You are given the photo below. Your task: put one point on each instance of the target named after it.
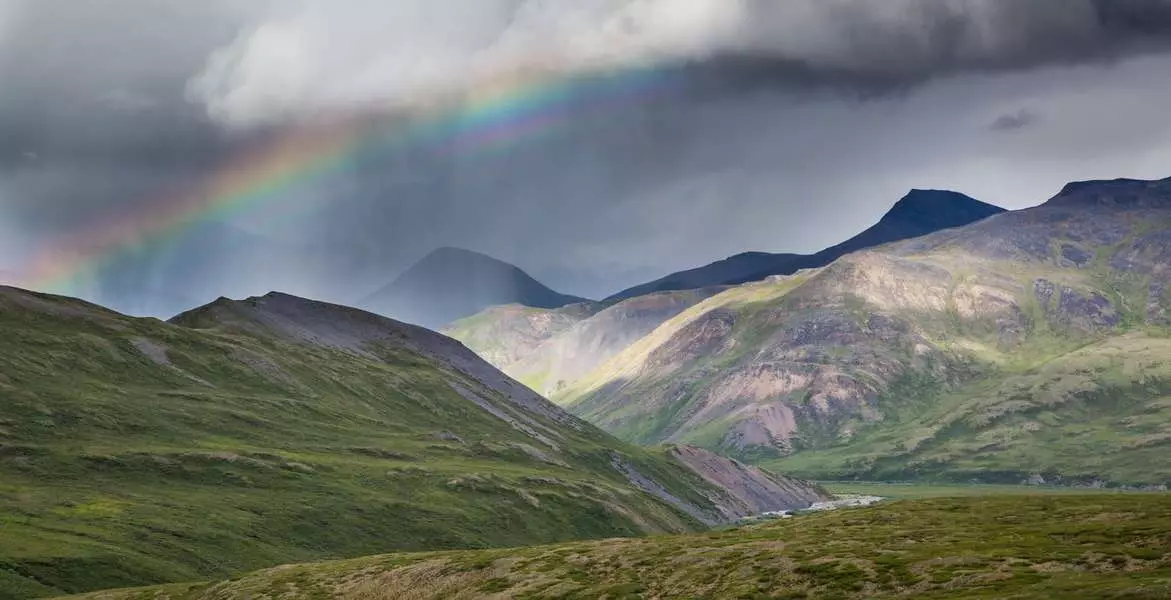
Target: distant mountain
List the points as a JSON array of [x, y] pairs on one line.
[[248, 433], [452, 283], [1031, 345], [920, 212]]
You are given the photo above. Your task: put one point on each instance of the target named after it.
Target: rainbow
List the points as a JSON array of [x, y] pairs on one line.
[[486, 121]]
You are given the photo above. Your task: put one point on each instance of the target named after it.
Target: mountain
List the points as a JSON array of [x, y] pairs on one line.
[[164, 275], [450, 284], [1026, 546], [1028, 345], [245, 434], [507, 334], [918, 213], [549, 349], [734, 269]]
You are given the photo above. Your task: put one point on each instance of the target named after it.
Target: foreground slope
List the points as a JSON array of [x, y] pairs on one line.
[[1031, 344], [276, 429], [918, 213], [452, 283], [1100, 546]]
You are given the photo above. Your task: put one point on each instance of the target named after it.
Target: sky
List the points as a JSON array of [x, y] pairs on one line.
[[692, 130]]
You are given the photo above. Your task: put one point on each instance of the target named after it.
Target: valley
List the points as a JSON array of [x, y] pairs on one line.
[[1036, 546]]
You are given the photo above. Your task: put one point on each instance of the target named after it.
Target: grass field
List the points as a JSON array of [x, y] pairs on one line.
[[1072, 546]]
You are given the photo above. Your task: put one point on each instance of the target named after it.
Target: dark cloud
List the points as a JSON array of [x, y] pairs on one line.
[[1014, 121], [326, 57]]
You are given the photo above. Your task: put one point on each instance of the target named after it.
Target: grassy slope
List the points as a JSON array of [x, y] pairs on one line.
[[1064, 398], [1035, 546], [249, 451], [642, 423], [1100, 412], [503, 335]]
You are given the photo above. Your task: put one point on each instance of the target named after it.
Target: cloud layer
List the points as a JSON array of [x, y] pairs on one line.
[[309, 57]]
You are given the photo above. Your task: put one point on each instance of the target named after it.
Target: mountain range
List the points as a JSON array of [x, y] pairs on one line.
[[1016, 347], [549, 349], [918, 213], [249, 433], [1027, 345]]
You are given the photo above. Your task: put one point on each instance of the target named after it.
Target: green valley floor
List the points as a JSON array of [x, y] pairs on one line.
[[1019, 545]]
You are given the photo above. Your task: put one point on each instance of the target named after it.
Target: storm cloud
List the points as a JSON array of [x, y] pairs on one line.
[[309, 57], [788, 127]]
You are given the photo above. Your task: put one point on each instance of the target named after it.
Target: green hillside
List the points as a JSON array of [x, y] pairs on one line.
[[1031, 345], [1004, 547], [273, 430]]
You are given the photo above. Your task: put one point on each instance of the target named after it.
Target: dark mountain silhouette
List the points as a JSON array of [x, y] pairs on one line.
[[919, 213], [452, 283]]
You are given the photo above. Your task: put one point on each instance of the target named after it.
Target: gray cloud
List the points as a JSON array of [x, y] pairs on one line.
[[1014, 120], [308, 57]]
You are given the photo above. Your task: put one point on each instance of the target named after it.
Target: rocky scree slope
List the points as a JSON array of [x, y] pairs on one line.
[[1029, 345], [252, 433]]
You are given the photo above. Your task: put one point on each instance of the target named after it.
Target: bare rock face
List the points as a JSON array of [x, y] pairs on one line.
[[750, 490], [734, 491]]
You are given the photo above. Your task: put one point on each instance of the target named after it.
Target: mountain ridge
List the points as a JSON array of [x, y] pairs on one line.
[[915, 214]]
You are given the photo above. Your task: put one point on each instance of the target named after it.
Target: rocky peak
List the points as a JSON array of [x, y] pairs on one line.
[[938, 209], [450, 283], [1127, 193]]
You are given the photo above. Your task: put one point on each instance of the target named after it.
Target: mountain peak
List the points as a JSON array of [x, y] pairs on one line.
[[454, 252], [918, 213], [939, 208], [1115, 192], [451, 283]]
